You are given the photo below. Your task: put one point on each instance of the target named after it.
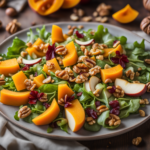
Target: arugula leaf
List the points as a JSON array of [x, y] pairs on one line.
[[15, 49], [16, 116], [139, 45], [64, 128], [31, 37]]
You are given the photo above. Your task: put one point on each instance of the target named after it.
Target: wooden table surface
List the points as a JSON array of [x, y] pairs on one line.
[[122, 142]]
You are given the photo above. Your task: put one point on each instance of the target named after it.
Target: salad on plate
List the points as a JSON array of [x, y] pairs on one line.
[[88, 79]]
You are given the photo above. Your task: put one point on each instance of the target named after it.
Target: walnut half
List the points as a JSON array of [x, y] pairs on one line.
[[145, 25], [24, 112]]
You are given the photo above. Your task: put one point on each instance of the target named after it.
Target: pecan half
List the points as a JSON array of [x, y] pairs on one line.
[[44, 98], [61, 50], [24, 112], [95, 70], [80, 68], [62, 74]]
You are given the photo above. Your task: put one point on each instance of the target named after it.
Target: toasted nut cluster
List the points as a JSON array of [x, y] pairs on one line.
[[100, 57], [62, 74], [95, 70], [71, 29], [108, 81], [19, 60], [99, 46], [59, 60], [42, 47], [90, 120], [116, 44], [113, 120], [101, 19], [147, 61], [24, 54], [96, 51], [2, 80], [137, 141], [144, 101], [31, 77], [85, 51], [92, 32], [80, 68], [90, 63], [82, 78], [142, 113], [103, 9], [101, 109], [87, 18], [80, 26], [118, 92], [148, 86], [107, 66], [82, 58], [50, 65], [72, 79], [30, 85], [130, 74], [44, 98], [96, 92], [61, 50], [70, 72], [13, 27], [29, 44], [48, 80], [24, 112], [78, 12]]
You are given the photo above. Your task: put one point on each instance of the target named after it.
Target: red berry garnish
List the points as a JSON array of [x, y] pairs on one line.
[[79, 35], [114, 104]]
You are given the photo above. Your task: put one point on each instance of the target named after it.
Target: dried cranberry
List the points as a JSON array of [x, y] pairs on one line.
[[115, 60], [115, 111], [125, 58], [68, 100], [39, 95], [112, 90], [79, 35], [114, 104], [67, 104], [79, 94], [91, 113], [46, 105], [122, 63], [26, 67], [118, 53], [51, 52], [34, 93], [32, 101], [97, 103]]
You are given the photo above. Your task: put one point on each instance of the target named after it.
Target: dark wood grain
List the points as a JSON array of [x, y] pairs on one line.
[[122, 142]]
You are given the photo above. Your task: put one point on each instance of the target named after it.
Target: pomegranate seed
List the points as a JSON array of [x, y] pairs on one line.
[[91, 113], [112, 90], [114, 104], [79, 94], [97, 103], [79, 35], [115, 111]]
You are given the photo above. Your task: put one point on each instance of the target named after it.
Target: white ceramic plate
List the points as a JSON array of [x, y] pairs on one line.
[[127, 124]]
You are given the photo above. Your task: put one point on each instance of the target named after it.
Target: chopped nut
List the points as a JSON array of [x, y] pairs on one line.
[[80, 26], [139, 69], [96, 92], [80, 68], [148, 87], [137, 141], [69, 27], [100, 57], [50, 65], [147, 61], [82, 48], [44, 98], [31, 77], [72, 79], [2, 80], [87, 18], [95, 14], [80, 12], [74, 27], [24, 112], [81, 78], [108, 81], [70, 72], [19, 60], [61, 50], [90, 120], [95, 70], [96, 51], [29, 44], [82, 58], [116, 44], [113, 120], [23, 54], [30, 85], [13, 27], [130, 74], [92, 32], [59, 60], [2, 76], [70, 32], [74, 17], [90, 63], [48, 80], [98, 19], [119, 92], [107, 66], [144, 101], [62, 74], [102, 46], [137, 74], [104, 12], [104, 19], [142, 113], [102, 108]]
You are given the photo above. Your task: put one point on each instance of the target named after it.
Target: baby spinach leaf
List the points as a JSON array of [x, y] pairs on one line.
[[64, 128], [16, 116], [122, 40], [30, 117], [48, 88], [49, 129], [93, 128]]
